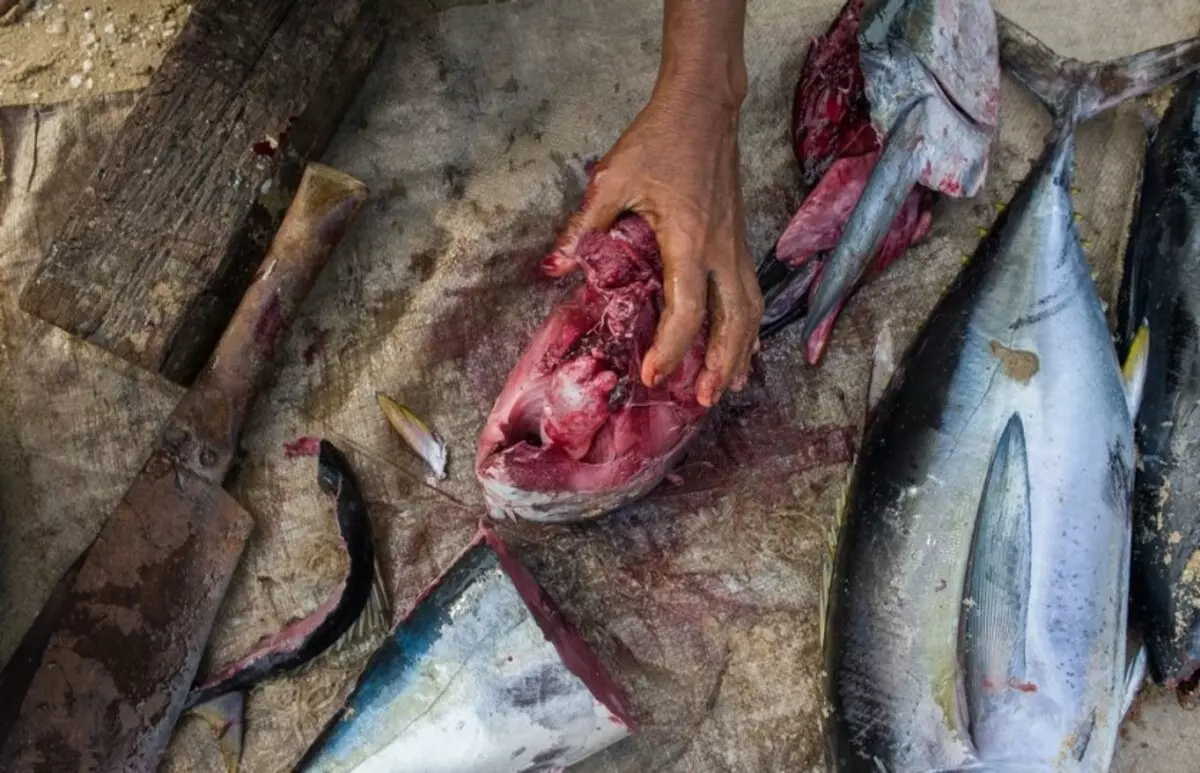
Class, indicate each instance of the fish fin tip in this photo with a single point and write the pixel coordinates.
(883, 367)
(1135, 677)
(1133, 371)
(225, 717)
(996, 592)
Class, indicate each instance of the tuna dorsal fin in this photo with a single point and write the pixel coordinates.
(1074, 91)
(997, 587)
(1134, 370)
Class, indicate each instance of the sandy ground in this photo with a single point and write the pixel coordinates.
(51, 50)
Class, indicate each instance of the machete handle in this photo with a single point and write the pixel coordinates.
(204, 428)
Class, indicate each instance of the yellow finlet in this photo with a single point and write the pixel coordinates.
(1134, 369)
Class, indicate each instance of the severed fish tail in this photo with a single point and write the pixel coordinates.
(1074, 91)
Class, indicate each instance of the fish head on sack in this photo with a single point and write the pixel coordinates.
(575, 433)
(945, 57)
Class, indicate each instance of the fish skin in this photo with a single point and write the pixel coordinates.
(483, 654)
(1160, 286)
(1020, 333)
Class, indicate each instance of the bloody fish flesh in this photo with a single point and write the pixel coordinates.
(574, 433)
(884, 118)
(837, 147)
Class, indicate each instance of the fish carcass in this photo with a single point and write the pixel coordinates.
(886, 116)
(574, 433)
(978, 595)
(484, 675)
(1161, 286)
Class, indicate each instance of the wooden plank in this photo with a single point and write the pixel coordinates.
(168, 232)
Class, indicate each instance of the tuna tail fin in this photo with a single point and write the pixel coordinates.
(225, 717)
(998, 579)
(1074, 91)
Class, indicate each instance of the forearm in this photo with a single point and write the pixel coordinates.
(703, 55)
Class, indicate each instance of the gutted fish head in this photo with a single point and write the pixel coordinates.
(946, 55)
(574, 433)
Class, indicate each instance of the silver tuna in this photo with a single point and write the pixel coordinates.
(978, 596)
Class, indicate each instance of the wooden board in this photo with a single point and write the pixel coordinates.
(178, 214)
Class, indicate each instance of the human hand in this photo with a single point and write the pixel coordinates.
(677, 166)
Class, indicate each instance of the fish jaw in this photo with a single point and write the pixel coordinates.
(574, 433)
(484, 654)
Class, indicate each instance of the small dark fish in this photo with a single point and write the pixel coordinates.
(929, 74)
(305, 639)
(574, 433)
(1161, 288)
(484, 675)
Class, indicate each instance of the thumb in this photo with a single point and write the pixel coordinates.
(602, 204)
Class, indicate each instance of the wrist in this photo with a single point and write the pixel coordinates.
(715, 84)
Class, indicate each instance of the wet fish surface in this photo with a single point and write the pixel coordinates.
(976, 614)
(1161, 287)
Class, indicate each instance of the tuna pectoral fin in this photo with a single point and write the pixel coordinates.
(224, 716)
(1075, 91)
(1134, 370)
(898, 170)
(997, 588)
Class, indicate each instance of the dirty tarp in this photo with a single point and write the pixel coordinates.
(472, 133)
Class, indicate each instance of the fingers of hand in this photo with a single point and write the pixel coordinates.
(737, 312)
(602, 204)
(685, 288)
